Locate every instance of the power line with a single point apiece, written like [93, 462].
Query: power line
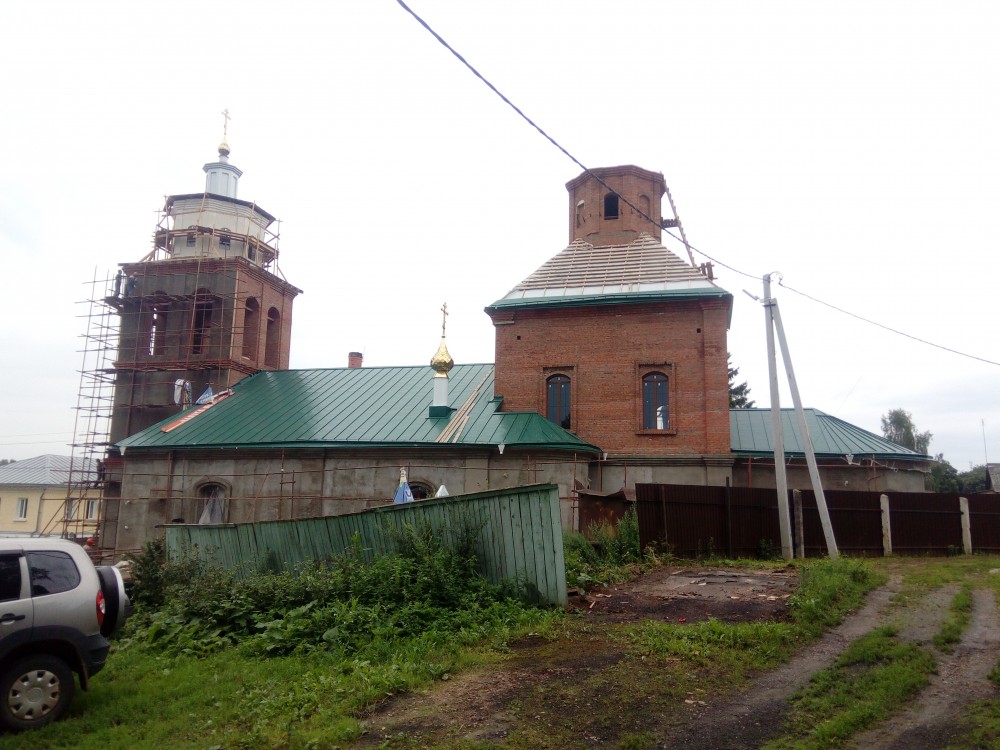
[885, 327]
[643, 214]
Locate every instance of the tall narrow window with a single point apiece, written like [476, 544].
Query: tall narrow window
[158, 330]
[557, 398]
[201, 325]
[251, 328]
[272, 339]
[22, 509]
[71, 506]
[92, 505]
[655, 403]
[611, 206]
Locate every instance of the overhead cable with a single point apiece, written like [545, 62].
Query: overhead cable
[643, 214]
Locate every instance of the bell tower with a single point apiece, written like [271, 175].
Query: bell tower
[204, 308]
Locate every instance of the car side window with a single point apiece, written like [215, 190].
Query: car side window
[52, 572]
[10, 577]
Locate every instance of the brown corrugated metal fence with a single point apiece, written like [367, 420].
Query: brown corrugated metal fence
[692, 521]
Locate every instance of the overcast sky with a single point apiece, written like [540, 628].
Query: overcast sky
[850, 146]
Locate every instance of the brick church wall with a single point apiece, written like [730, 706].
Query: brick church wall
[605, 350]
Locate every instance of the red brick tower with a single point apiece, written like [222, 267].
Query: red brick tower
[621, 341]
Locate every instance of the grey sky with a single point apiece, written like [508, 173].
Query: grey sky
[850, 146]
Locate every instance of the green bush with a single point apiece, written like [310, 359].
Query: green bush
[152, 576]
[604, 557]
[428, 589]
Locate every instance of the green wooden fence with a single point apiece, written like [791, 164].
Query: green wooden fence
[519, 537]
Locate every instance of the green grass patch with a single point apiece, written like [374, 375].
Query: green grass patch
[983, 723]
[830, 589]
[827, 591]
[868, 682]
[924, 574]
[958, 620]
[734, 650]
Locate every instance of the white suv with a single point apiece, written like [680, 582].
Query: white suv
[56, 613]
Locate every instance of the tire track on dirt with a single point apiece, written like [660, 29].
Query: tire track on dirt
[961, 679]
[756, 714]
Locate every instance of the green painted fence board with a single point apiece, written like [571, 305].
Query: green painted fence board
[519, 537]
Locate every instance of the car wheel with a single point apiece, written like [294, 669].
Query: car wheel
[37, 690]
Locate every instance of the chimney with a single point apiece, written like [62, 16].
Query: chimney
[354, 360]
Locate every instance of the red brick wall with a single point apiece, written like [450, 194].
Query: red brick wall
[587, 221]
[605, 350]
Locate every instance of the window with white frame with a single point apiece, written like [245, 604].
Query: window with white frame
[92, 508]
[22, 509]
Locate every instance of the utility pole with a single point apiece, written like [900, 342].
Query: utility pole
[824, 513]
[780, 479]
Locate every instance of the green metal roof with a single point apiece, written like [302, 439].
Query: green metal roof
[751, 434]
[588, 300]
[360, 407]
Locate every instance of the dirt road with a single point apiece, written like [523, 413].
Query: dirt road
[585, 690]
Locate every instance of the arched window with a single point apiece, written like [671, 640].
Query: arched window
[201, 323]
[212, 497]
[655, 402]
[557, 400]
[251, 328]
[421, 490]
[611, 206]
[272, 338]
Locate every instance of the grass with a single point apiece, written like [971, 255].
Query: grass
[827, 591]
[878, 675]
[871, 679]
[981, 721]
[289, 661]
[248, 676]
[657, 666]
[958, 620]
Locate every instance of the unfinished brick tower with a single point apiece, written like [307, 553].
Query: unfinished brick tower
[203, 309]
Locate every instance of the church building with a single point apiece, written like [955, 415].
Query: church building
[611, 369]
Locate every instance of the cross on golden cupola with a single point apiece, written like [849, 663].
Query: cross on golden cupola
[442, 362]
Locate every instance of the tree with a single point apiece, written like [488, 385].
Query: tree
[973, 480]
[897, 426]
[737, 393]
[944, 476]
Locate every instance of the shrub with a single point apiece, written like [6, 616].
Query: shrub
[607, 557]
[428, 589]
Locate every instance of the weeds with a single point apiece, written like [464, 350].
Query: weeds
[427, 591]
[609, 555]
[828, 589]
